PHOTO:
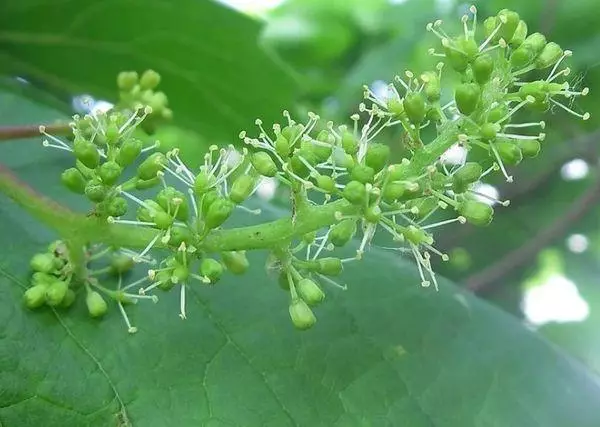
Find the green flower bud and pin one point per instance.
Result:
(469, 172)
(218, 212)
(488, 131)
(68, 300)
(477, 213)
(203, 183)
(349, 143)
(149, 80)
(397, 172)
(377, 156)
(414, 106)
(467, 97)
(126, 80)
(510, 21)
(43, 262)
(117, 207)
(171, 201)
(323, 151)
(110, 172)
(147, 214)
(208, 199)
(112, 133)
(520, 34)
(329, 266)
(236, 262)
(457, 59)
(310, 292)
(538, 90)
(301, 315)
(129, 151)
(326, 183)
(298, 166)
(536, 42)
(509, 152)
(342, 232)
(497, 113)
(241, 188)
(529, 147)
(396, 107)
(121, 263)
(163, 278)
(86, 153)
(35, 296)
(180, 235)
(158, 101)
(151, 166)
(180, 274)
(393, 191)
(355, 192)
(482, 68)
(549, 56)
(39, 278)
(309, 238)
(145, 184)
(55, 292)
(162, 220)
(416, 235)
(264, 164)
(292, 133)
(282, 147)
(432, 87)
(96, 305)
(522, 56)
(73, 180)
(363, 174)
(95, 191)
(424, 206)
(211, 269)
(372, 214)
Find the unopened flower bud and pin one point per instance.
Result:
(236, 261)
(477, 213)
(211, 269)
(55, 292)
(73, 179)
(467, 97)
(302, 316)
(96, 305)
(264, 164)
(309, 291)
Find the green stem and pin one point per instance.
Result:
(80, 228)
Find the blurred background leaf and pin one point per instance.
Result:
(217, 77)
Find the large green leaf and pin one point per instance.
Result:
(384, 353)
(218, 80)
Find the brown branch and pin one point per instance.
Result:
(484, 279)
(8, 133)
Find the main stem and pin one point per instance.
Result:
(72, 225)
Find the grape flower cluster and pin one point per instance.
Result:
(342, 180)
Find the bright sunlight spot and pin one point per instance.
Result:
(252, 6)
(455, 155)
(574, 170)
(577, 243)
(266, 189)
(489, 193)
(555, 300)
(380, 89)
